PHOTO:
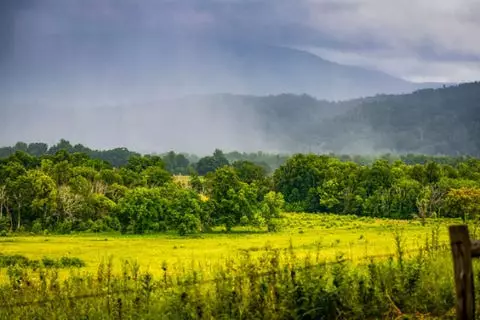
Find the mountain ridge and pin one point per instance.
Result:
(432, 121)
(96, 70)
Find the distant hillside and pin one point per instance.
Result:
(196, 124)
(440, 121)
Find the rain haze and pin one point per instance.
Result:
(189, 75)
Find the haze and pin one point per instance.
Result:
(85, 70)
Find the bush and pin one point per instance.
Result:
(7, 261)
(84, 225)
(48, 262)
(13, 260)
(4, 224)
(273, 225)
(182, 229)
(97, 226)
(20, 229)
(189, 224)
(64, 227)
(66, 262)
(112, 223)
(37, 227)
(244, 221)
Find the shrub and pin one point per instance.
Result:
(98, 226)
(48, 262)
(13, 260)
(71, 262)
(112, 223)
(4, 224)
(37, 227)
(64, 227)
(273, 225)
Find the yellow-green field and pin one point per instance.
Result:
(320, 236)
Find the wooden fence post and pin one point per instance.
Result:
(462, 266)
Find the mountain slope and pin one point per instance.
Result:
(92, 70)
(440, 121)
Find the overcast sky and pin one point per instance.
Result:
(87, 53)
(418, 40)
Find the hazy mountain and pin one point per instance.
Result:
(197, 123)
(440, 121)
(93, 70)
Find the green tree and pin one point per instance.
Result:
(37, 149)
(142, 210)
(249, 172)
(463, 202)
(272, 205)
(298, 178)
(156, 176)
(233, 199)
(211, 163)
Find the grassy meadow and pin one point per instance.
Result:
(325, 236)
(315, 267)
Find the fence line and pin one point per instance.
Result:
(440, 247)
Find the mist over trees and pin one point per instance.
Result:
(431, 121)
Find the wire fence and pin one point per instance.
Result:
(438, 248)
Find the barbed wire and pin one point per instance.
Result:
(439, 248)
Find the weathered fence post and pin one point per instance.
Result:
(462, 266)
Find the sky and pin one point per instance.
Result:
(93, 46)
(418, 40)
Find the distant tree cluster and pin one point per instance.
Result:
(175, 163)
(116, 157)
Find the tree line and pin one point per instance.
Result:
(395, 189)
(63, 192)
(175, 163)
(67, 191)
(184, 163)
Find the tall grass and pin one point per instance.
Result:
(275, 285)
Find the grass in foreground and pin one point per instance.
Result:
(316, 267)
(277, 285)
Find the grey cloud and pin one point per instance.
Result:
(404, 25)
(432, 31)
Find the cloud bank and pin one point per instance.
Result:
(413, 39)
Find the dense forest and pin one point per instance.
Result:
(65, 190)
(442, 121)
(431, 121)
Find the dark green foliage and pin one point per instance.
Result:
(249, 172)
(211, 163)
(431, 121)
(383, 189)
(196, 183)
(176, 163)
(68, 191)
(7, 261)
